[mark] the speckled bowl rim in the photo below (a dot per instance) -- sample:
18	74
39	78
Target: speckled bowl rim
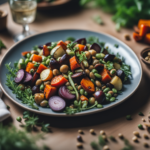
84	112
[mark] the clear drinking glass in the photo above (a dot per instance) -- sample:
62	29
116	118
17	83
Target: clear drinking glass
23	12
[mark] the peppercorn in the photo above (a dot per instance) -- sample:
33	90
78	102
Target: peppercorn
106	147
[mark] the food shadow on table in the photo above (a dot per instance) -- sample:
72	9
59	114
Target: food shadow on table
130	106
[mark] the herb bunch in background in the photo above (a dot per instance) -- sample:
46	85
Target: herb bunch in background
126	12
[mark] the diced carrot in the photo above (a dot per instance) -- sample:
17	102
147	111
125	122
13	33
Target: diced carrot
49	91
87	85
137	37
30	66
147	38
25	53
46	75
144	29
41	68
105	76
74	64
46	51
143	21
37	58
58	81
63	44
80	47
83	98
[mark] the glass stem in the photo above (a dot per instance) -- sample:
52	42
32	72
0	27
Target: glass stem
26	29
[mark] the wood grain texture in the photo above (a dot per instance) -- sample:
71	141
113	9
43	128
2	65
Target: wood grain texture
64	130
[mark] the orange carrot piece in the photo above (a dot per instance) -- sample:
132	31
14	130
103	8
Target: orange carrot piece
147	38
41	68
80	47
83	98
142	21
144	29
49	91
137	37
58	81
46	51
37	58
25	53
30	66
74	64
87	85
105	76
63	44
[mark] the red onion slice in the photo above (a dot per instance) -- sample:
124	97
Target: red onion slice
20	76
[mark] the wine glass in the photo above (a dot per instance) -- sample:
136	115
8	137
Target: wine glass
23	12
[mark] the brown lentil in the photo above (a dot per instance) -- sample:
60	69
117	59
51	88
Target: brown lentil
120	135
80	131
136	133
103	87
92	75
127	37
91	67
92	131
98	83
92	52
143	120
64	69
95	61
87	71
44	103
38	82
106	147
102	132
135	139
79	145
79	87
38	97
88	55
56	72
115	95
145	136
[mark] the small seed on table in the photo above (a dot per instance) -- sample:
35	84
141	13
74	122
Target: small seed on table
146	136
145	144
120	135
106	147
102	132
79	145
104	137
135	139
143	120
136	133
79	138
92	131
80	131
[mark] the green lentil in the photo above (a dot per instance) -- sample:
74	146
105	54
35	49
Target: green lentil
19	119
86	93
28	55
82	91
94	71
47	61
140	126
70	88
99	106
128	117
76	103
107	99
141	114
108	95
114	90
42	87
97	75
71	53
112	99
106	90
100	55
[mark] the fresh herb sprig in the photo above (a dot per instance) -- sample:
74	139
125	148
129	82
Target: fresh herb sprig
25	96
2	45
71	39
109	65
81	56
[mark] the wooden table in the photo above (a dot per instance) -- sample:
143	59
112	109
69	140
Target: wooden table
113	121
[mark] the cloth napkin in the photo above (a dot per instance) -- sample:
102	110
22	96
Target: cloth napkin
4	113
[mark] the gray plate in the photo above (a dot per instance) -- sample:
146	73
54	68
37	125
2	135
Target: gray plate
14	54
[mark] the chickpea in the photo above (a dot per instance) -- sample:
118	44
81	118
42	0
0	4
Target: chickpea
64	69
44	103
34	52
143	120
106	147
87	71
68	83
91	67
56	72
92	131
93	52
98	84
38	97
47	83
88	55
135	139
92	75
38	82
91	100
95	61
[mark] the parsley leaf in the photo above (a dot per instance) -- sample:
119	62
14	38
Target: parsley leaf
81	56
70	39
53	44
116	45
109	65
71	46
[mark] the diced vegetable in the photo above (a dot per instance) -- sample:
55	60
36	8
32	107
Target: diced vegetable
80	47
41	68
147	38
46	75
96	47
54	64
49	91
28	77
74	64
144	29
46	51
116	65
83	98
30	66
37	58
142	21
77	77
35	89
58	81
81	41
99	96
21	63
63	44
137	37
25	53
105	76
116	81
64	59
57	51
35	77
87	85
20	76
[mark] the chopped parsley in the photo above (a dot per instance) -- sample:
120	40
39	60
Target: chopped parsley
70	39
116	45
81	56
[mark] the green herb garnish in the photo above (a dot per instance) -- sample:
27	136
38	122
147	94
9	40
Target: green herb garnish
2	45
70	39
109	65
95	146
116	45
81	56
98	19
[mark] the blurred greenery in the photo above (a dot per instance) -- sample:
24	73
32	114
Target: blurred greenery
126	12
